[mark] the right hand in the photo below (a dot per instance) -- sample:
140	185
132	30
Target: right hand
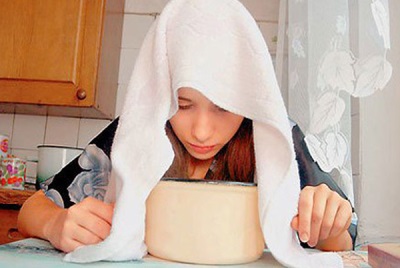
85	223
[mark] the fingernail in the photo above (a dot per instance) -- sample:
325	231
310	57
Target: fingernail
312	244
304	237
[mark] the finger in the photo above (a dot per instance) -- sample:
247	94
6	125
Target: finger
317	215
94	224
342	219
63	240
99	208
69	245
82	215
295	223
329	217
85	237
305	211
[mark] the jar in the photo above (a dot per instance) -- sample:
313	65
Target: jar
12	173
3	145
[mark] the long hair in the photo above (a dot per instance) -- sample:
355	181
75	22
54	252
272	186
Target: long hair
234	162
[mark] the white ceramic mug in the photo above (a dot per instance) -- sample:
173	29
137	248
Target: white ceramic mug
52	158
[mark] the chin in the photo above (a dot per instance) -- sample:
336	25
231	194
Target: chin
202	157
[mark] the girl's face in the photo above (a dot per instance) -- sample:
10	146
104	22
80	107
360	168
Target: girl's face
201	126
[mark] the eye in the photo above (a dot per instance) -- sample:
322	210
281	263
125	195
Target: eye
184	103
220	109
185	107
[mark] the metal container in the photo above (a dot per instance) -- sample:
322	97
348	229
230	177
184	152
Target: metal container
52	158
204	222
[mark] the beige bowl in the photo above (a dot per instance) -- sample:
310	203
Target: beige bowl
204	222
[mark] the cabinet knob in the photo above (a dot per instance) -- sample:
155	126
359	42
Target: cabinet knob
81	94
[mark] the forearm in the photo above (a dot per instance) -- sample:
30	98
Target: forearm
341	242
312	175
36	215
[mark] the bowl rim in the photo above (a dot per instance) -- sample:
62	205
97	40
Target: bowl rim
59	147
215	182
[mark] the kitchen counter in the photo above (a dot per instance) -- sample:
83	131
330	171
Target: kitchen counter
37	253
14	197
10	203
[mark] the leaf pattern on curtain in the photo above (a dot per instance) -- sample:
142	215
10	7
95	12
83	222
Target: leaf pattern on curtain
381	17
327	113
324	72
373	73
331	151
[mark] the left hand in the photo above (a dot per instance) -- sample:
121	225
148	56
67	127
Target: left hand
322	214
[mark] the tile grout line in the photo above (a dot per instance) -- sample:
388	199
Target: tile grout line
79	131
12	132
45	130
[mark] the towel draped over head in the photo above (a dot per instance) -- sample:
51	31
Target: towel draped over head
216	48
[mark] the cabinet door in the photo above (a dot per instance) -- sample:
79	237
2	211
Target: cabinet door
50	51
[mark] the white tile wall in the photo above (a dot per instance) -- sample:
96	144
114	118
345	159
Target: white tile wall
122	89
126	64
6	124
135	29
62	131
26	154
144	6
263	10
27	131
270	32
266	10
88	129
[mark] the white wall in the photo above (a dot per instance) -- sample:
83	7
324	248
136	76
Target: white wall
27	131
377	186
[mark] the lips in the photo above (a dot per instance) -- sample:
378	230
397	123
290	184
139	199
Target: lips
202	149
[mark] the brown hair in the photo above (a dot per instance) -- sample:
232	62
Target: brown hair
234	162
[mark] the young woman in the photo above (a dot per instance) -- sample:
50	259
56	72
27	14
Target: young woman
209	141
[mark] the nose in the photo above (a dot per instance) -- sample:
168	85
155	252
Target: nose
203	127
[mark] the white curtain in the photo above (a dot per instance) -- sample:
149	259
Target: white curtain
329	50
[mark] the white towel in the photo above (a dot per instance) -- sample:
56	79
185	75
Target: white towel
216	48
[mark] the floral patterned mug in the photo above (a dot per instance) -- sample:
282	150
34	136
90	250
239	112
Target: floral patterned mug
12	173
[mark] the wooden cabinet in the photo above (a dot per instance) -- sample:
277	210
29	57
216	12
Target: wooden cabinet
10	202
60	57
